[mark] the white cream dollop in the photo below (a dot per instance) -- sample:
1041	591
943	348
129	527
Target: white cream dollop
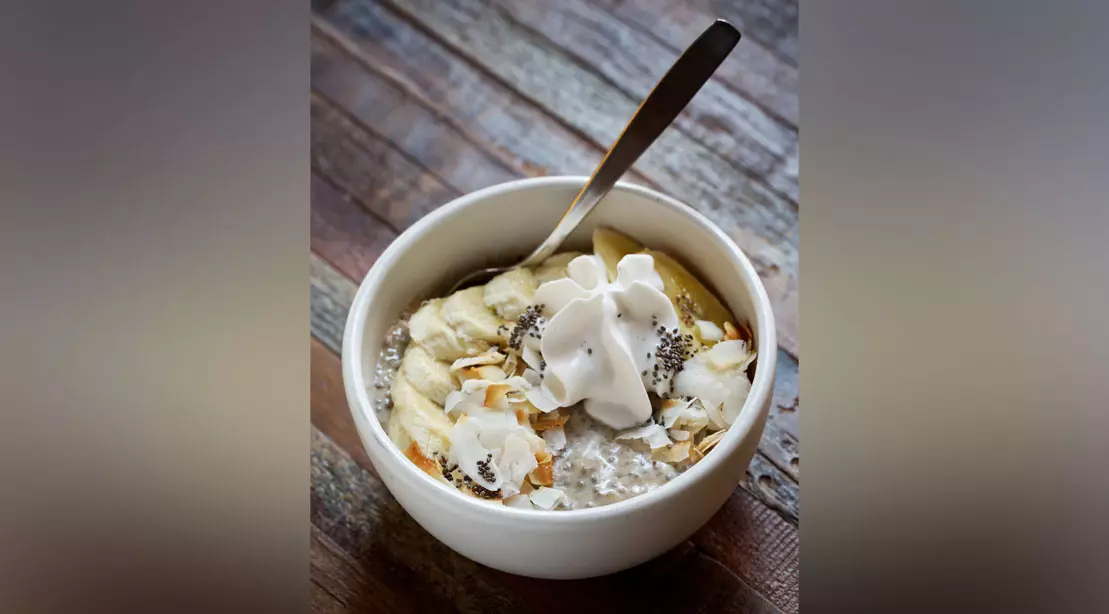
599	346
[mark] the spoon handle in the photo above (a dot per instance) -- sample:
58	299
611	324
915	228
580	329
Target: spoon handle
672	93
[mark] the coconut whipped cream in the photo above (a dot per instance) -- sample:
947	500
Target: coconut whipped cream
601	344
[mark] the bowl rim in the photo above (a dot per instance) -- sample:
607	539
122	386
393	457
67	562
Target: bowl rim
358	394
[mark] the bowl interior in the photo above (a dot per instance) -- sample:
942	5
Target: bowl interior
501	224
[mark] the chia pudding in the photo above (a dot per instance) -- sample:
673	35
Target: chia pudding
586	381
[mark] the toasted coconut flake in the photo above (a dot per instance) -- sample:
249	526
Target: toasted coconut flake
543	456
679	435
680	451
531	376
521	501
525	405
551	420
546	498
555	438
492	357
510	364
492	373
543	475
709	331
672	409
730	355
730	331
518	383
710	441
428	466
496	396
454	398
652	433
695	455
467	451
516	461
540	398
738	388
531	357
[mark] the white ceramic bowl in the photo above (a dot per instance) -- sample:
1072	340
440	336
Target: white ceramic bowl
499	225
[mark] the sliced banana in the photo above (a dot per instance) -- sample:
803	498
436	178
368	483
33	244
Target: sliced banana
431	377
692	299
510	293
416	419
428	328
611	246
465	311
554	267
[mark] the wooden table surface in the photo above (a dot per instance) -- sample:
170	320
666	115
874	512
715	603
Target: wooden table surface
417	101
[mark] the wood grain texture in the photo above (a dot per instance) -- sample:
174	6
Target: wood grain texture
364	544
759	546
332	294
632	62
329	299
786	176
343	232
774	23
356	511
342	584
494	116
330	412
386	61
402	113
752	68
366	166
540	72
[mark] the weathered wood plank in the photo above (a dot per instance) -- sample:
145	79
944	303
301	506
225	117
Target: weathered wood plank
357	512
585	101
330	413
778	490
786	177
371	169
632	62
343	233
751	68
759	546
691	580
495	115
372	584
331	297
774	23
787	401
322	602
380	97
398	80
364	525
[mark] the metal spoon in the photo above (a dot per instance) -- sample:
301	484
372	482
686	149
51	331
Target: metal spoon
672	93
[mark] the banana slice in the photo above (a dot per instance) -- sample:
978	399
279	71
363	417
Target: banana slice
465	311
692	300
431	377
554	267
611	246
428	329
510	293
416	419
